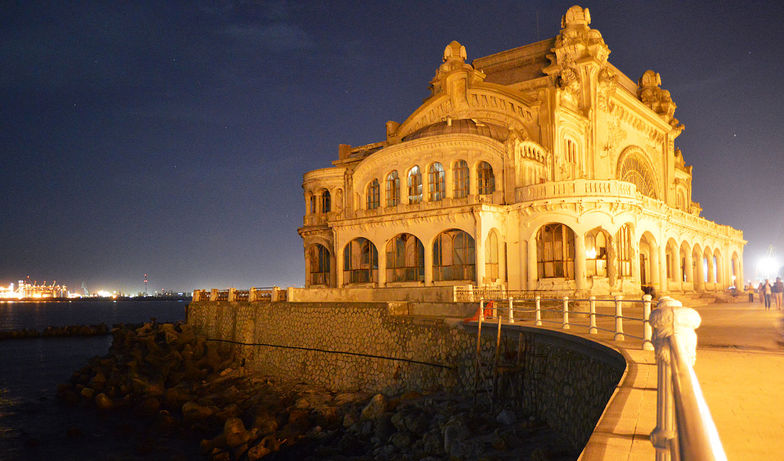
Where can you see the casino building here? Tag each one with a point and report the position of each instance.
(541, 168)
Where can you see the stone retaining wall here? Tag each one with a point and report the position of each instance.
(564, 380)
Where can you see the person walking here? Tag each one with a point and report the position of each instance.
(766, 292)
(778, 292)
(750, 291)
(761, 291)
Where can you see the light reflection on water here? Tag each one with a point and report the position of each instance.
(33, 423)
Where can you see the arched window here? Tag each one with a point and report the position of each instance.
(325, 202)
(624, 242)
(405, 259)
(596, 244)
(485, 178)
(312, 203)
(319, 265)
(435, 178)
(555, 251)
(393, 189)
(373, 192)
(461, 179)
(454, 256)
(491, 257)
(414, 185)
(360, 261)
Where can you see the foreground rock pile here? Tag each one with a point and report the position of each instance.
(184, 386)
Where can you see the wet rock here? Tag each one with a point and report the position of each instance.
(506, 417)
(375, 407)
(235, 433)
(384, 428)
(265, 422)
(103, 402)
(455, 432)
(401, 440)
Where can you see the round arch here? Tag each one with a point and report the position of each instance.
(635, 167)
(454, 256)
(405, 259)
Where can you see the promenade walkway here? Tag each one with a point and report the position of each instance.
(740, 367)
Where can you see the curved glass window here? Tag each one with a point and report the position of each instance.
(373, 192)
(435, 179)
(319, 265)
(461, 179)
(405, 259)
(325, 202)
(393, 189)
(360, 261)
(624, 251)
(454, 256)
(555, 252)
(485, 179)
(414, 185)
(596, 244)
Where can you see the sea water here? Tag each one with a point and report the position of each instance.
(34, 424)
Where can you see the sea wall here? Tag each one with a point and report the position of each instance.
(563, 380)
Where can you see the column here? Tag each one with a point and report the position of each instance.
(655, 269)
(531, 262)
(579, 261)
(428, 244)
(337, 268)
(382, 266)
(480, 257)
(635, 247)
(663, 280)
(612, 263)
(690, 270)
(699, 281)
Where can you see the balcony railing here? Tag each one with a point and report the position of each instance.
(577, 188)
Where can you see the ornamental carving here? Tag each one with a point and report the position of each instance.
(656, 98)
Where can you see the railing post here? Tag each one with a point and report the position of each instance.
(214, 294)
(232, 294)
(495, 310)
(481, 309)
(252, 294)
(538, 310)
(618, 319)
(511, 310)
(646, 321)
(593, 330)
(565, 312)
(665, 324)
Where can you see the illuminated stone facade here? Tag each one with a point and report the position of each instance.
(539, 168)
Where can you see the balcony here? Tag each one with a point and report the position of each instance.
(577, 188)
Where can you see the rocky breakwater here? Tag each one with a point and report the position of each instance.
(178, 385)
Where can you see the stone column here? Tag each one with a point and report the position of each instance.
(612, 263)
(690, 270)
(382, 266)
(449, 176)
(337, 267)
(699, 282)
(655, 269)
(635, 247)
(663, 279)
(533, 276)
(579, 261)
(428, 261)
(480, 257)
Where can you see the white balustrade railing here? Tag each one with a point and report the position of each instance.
(684, 427)
(563, 307)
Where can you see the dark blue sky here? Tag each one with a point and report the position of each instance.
(171, 137)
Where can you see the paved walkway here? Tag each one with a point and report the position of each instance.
(740, 367)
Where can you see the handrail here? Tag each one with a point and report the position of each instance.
(679, 400)
(502, 298)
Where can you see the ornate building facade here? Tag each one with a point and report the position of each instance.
(539, 168)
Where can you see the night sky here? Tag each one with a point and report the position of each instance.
(170, 138)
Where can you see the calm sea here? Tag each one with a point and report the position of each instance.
(33, 423)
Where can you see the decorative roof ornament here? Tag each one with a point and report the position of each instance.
(454, 61)
(658, 99)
